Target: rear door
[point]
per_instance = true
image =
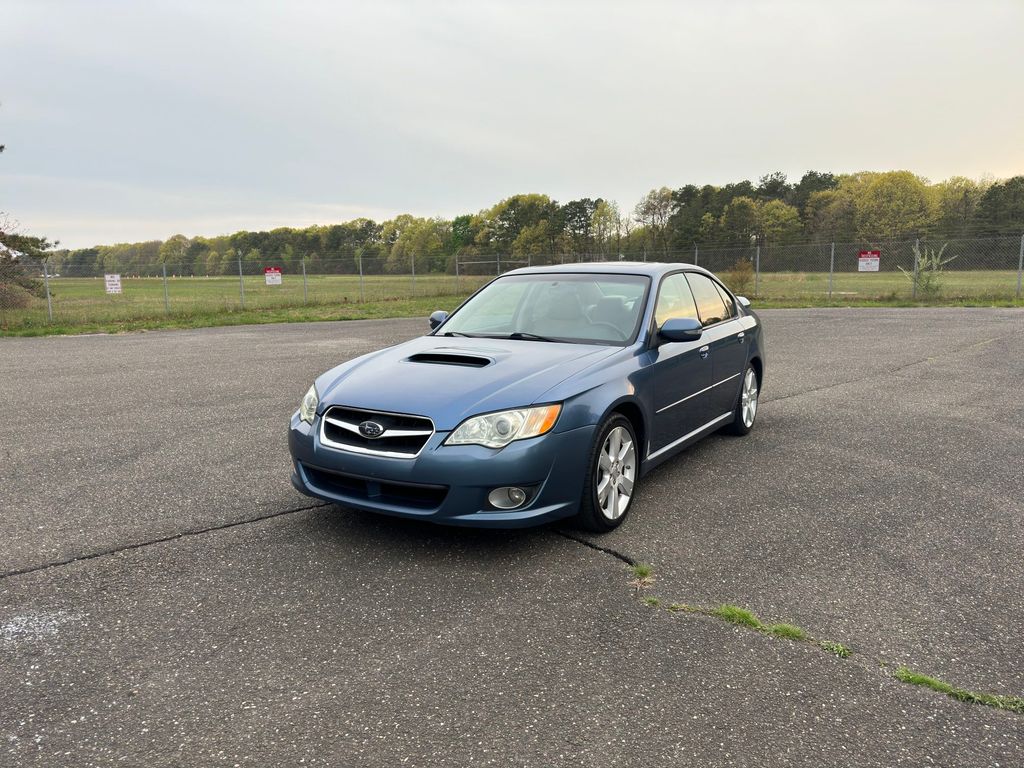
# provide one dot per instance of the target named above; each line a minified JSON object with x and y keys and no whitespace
{"x":724,"y":334}
{"x":682,"y":370}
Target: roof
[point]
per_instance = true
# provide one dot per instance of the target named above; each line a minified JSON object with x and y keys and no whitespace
{"x":649,"y":268}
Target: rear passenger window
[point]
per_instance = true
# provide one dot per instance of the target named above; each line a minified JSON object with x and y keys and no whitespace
{"x":674,"y":300}
{"x":710,"y":307}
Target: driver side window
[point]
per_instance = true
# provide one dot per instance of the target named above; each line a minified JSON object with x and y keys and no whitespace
{"x":674,"y":300}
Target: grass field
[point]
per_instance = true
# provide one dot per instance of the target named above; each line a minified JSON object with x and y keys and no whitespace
{"x":875,"y":286}
{"x":81,"y":304}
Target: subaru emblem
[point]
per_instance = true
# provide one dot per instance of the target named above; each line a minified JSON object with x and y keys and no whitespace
{"x":371,"y":429}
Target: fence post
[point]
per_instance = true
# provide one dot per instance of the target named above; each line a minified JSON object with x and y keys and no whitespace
{"x":831,"y":268}
{"x":457,"y":283}
{"x":305,"y":288}
{"x":1020,"y":265}
{"x":757,"y":271}
{"x":497,"y":260}
{"x":361,"y":299}
{"x":696,"y":254}
{"x":412,"y":261}
{"x":46,"y":282}
{"x":241,"y":283}
{"x":913,"y":284}
{"x":167,"y":303}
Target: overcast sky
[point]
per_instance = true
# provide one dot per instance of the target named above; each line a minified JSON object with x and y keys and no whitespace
{"x":136,"y":120}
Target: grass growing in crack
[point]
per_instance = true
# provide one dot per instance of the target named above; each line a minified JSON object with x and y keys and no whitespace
{"x":1012,"y":703}
{"x":643,"y":575}
{"x":737,"y":615}
{"x":641,"y":571}
{"x":788,"y":631}
{"x":833,"y":647}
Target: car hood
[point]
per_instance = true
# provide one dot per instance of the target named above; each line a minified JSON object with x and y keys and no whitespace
{"x":450,"y":379}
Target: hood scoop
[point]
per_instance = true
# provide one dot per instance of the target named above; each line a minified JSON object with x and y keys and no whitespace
{"x":462,"y":359}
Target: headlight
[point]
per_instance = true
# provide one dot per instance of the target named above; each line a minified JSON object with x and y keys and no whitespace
{"x":496,"y":430}
{"x":307,"y":410}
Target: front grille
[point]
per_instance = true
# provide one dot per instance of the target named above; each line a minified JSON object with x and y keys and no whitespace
{"x":414,"y":495}
{"x":403,"y":436}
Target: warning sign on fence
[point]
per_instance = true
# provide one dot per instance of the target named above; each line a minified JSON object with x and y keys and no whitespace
{"x":272,"y":275}
{"x":867,"y":261}
{"x":113,"y":283}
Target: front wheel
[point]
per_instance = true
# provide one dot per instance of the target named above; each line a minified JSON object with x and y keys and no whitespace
{"x":746,"y":404}
{"x":612,"y":474}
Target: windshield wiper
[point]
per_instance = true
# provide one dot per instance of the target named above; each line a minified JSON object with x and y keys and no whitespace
{"x":524,"y":336}
{"x":459,"y":333}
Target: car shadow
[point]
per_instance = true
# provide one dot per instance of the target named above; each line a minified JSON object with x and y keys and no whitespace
{"x":343,"y":525}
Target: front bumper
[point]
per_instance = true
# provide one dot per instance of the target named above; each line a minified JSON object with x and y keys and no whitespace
{"x":447,"y":483}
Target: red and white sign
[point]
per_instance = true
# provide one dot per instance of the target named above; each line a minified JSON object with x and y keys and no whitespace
{"x":867,"y":261}
{"x":272,"y":275}
{"x":113,"y":283}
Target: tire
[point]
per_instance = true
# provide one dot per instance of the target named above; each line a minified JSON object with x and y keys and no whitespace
{"x":746,"y":404}
{"x":604,"y":510}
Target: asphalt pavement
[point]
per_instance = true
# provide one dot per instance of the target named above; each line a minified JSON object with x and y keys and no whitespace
{"x":166,"y":597}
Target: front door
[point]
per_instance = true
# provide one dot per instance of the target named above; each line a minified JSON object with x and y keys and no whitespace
{"x":683,"y":371}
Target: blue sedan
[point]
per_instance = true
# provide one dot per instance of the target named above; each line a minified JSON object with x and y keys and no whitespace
{"x":547,"y":394}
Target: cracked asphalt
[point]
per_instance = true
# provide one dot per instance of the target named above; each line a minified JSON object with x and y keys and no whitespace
{"x":167,"y":599}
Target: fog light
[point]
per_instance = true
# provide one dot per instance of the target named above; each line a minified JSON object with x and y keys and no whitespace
{"x":507,"y":498}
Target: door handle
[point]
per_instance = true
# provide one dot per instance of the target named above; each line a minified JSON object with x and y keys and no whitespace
{"x":704,"y":352}
{"x":739,"y":336}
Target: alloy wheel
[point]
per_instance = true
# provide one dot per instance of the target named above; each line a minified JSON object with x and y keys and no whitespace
{"x":748,"y":398}
{"x":616,"y":473}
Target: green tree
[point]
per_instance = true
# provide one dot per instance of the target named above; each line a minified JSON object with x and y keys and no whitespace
{"x":533,"y":242}
{"x":653,"y":213}
{"x":172,"y":251}
{"x":956,"y":202}
{"x":606,"y":227}
{"x":577,"y":224}
{"x":502,"y":224}
{"x":252,"y":262}
{"x":773,"y":186}
{"x":1001,"y":208}
{"x":740,"y":222}
{"x":462,"y":232}
{"x":811,"y":182}
{"x":213,"y":265}
{"x":778,"y":223}
{"x":830,"y":215}
{"x":17,"y":285}
{"x":415,"y":239}
{"x":891,"y":204}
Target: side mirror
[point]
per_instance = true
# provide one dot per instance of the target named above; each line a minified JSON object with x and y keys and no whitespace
{"x":438,"y":317}
{"x":680,"y":329}
{"x":744,"y":301}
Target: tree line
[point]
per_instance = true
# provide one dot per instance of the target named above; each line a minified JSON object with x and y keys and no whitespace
{"x":868,"y":207}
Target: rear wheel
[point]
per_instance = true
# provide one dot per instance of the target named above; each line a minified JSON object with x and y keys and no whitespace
{"x":612,"y":474}
{"x":746,"y":404}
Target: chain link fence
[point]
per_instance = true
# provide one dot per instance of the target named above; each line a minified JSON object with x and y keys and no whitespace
{"x":951,"y":270}
{"x":36,"y":294}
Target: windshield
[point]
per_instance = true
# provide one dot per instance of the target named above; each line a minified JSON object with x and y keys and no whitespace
{"x":579,"y":308}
